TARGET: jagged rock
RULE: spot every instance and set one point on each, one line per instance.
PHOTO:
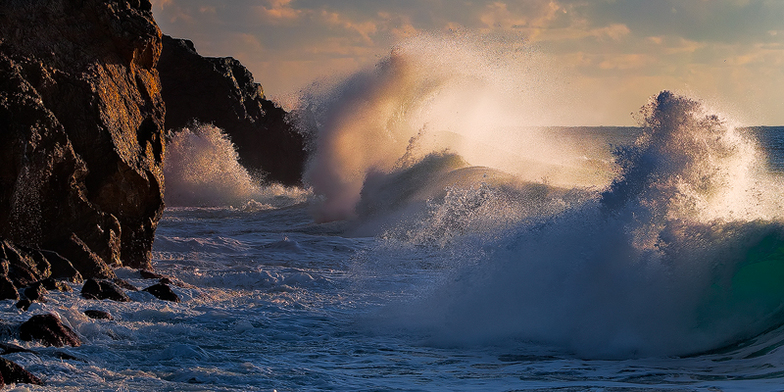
(98, 314)
(163, 291)
(95, 289)
(81, 130)
(49, 330)
(14, 374)
(221, 91)
(62, 268)
(23, 269)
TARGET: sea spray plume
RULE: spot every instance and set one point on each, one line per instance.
(688, 164)
(681, 260)
(202, 170)
(456, 93)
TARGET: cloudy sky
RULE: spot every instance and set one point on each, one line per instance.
(614, 54)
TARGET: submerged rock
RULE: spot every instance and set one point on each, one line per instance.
(124, 284)
(48, 329)
(14, 374)
(81, 131)
(102, 289)
(163, 291)
(221, 91)
(145, 274)
(10, 348)
(98, 314)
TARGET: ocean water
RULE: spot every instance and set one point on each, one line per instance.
(446, 242)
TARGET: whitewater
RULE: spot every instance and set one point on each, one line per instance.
(448, 238)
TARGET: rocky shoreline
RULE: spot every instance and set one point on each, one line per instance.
(88, 90)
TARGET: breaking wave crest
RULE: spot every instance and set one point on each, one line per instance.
(682, 252)
(202, 169)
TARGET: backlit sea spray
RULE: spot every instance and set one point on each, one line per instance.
(451, 241)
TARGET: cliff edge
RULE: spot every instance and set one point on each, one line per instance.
(221, 91)
(81, 130)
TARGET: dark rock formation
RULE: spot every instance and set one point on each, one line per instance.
(98, 314)
(35, 293)
(55, 285)
(22, 267)
(124, 284)
(23, 304)
(145, 274)
(163, 291)
(62, 268)
(7, 289)
(49, 330)
(221, 91)
(81, 130)
(10, 348)
(14, 374)
(102, 289)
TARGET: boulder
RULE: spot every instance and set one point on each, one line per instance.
(48, 329)
(221, 91)
(163, 291)
(81, 131)
(102, 289)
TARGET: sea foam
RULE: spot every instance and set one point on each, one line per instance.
(669, 259)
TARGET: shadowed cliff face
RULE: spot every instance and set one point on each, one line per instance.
(81, 125)
(221, 91)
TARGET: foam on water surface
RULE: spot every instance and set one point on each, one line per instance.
(443, 241)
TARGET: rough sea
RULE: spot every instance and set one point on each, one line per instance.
(438, 246)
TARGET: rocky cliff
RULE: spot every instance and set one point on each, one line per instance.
(81, 130)
(221, 91)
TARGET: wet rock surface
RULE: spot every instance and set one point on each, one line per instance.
(98, 314)
(81, 133)
(49, 330)
(103, 289)
(163, 291)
